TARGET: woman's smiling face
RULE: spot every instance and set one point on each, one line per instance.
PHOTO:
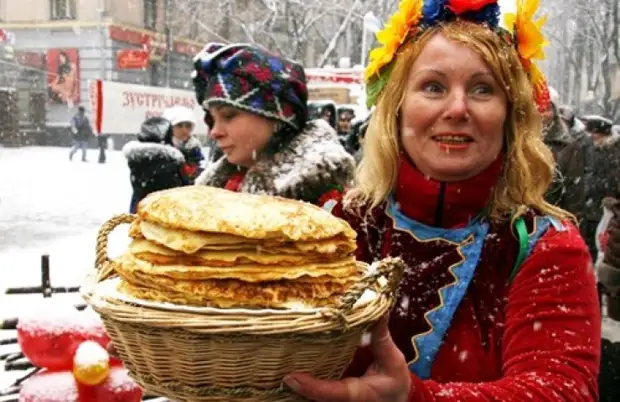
(453, 114)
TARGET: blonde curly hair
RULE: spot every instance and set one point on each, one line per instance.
(529, 164)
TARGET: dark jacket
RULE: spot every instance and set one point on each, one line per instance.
(571, 155)
(193, 156)
(608, 269)
(605, 181)
(153, 167)
(80, 128)
(194, 160)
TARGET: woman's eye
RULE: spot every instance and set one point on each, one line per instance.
(483, 89)
(229, 115)
(432, 87)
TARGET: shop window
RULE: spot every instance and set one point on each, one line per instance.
(150, 14)
(63, 9)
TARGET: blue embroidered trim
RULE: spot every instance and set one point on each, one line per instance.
(329, 205)
(469, 242)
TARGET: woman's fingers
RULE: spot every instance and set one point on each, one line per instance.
(388, 358)
(347, 390)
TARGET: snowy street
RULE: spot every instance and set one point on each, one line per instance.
(49, 205)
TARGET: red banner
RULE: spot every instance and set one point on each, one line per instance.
(128, 59)
(342, 79)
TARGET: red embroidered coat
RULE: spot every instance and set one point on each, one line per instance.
(535, 338)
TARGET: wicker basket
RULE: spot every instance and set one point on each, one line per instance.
(186, 356)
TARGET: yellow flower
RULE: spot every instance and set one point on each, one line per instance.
(393, 35)
(530, 39)
(530, 44)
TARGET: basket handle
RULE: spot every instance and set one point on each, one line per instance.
(391, 268)
(102, 260)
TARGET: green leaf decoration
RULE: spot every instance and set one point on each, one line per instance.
(376, 85)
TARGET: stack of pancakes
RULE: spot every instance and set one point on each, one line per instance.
(203, 246)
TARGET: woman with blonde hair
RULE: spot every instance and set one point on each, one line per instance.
(499, 299)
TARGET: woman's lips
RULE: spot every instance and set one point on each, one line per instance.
(453, 141)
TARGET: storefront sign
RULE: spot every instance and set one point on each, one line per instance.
(121, 108)
(151, 40)
(128, 59)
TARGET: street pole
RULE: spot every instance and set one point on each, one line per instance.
(370, 24)
(102, 39)
(364, 34)
(168, 42)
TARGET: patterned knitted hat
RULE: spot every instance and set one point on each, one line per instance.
(254, 80)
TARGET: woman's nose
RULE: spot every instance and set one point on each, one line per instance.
(457, 106)
(216, 132)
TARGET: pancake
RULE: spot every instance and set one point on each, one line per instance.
(347, 268)
(191, 242)
(155, 295)
(231, 293)
(188, 241)
(157, 254)
(251, 216)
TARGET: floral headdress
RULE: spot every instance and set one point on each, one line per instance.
(414, 16)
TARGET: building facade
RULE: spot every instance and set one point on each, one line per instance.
(77, 41)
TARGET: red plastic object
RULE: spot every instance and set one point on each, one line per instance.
(62, 387)
(49, 339)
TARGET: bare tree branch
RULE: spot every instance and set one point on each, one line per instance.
(343, 27)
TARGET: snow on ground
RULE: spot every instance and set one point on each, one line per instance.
(49, 205)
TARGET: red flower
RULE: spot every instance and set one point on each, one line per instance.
(261, 73)
(245, 86)
(217, 91)
(459, 7)
(287, 110)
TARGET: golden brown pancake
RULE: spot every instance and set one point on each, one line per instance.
(251, 216)
(345, 268)
(190, 242)
(157, 254)
(231, 293)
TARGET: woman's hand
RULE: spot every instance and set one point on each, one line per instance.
(388, 378)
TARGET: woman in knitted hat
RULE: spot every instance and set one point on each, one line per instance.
(256, 109)
(499, 300)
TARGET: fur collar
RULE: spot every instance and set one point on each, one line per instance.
(136, 151)
(610, 140)
(313, 163)
(191, 144)
(578, 129)
(557, 131)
